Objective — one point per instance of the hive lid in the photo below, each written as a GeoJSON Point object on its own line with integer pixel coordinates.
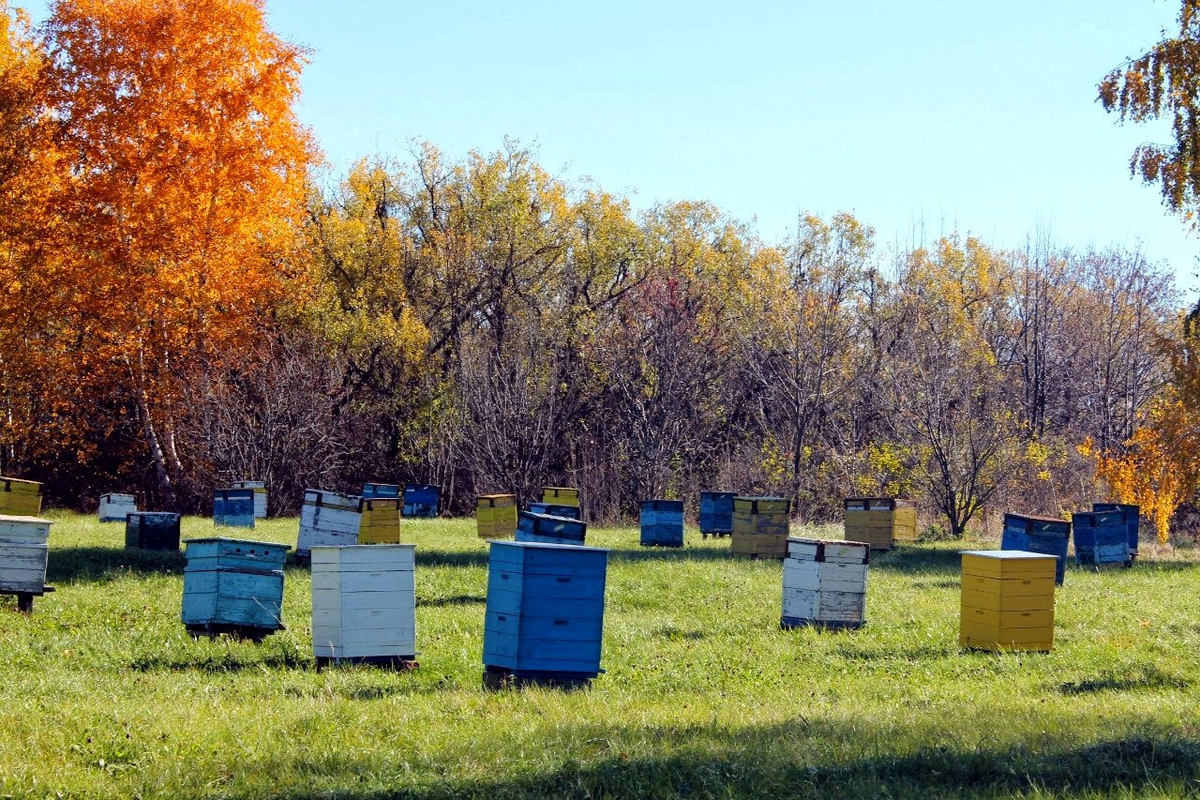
{"type": "Point", "coordinates": [549, 546]}
{"type": "Point", "coordinates": [18, 518]}
{"type": "Point", "coordinates": [1007, 555]}
{"type": "Point", "coordinates": [226, 539]}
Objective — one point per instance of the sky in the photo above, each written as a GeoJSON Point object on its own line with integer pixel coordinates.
{"type": "Point", "coordinates": [920, 118]}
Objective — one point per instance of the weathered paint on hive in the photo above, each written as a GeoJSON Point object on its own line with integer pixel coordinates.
{"type": "Point", "coordinates": [260, 496]}
{"type": "Point", "coordinates": [1007, 600]}
{"type": "Point", "coordinates": [554, 510]}
{"type": "Point", "coordinates": [1038, 535]}
{"type": "Point", "coordinates": [560, 495]}
{"type": "Point", "coordinates": [496, 516]}
{"type": "Point", "coordinates": [327, 519]}
{"type": "Point", "coordinates": [24, 553]}
{"type": "Point", "coordinates": [825, 581]}
{"type": "Point", "coordinates": [549, 530]}
{"type": "Point", "coordinates": [373, 490]}
{"type": "Point", "coordinates": [364, 602]}
{"type": "Point", "coordinates": [233, 582]}
{"type": "Point", "coordinates": [20, 497]}
{"type": "Point", "coordinates": [1133, 518]}
{"type": "Point", "coordinates": [379, 520]}
{"type": "Point", "coordinates": [233, 508]}
{"type": "Point", "coordinates": [421, 500]}
{"type": "Point", "coordinates": [1101, 537]}
{"type": "Point", "coordinates": [662, 523]}
{"type": "Point", "coordinates": [880, 521]}
{"type": "Point", "coordinates": [115, 507]}
{"type": "Point", "coordinates": [716, 512]}
{"type": "Point", "coordinates": [760, 526]}
{"type": "Point", "coordinates": [152, 530]}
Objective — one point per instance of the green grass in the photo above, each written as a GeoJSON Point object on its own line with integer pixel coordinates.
{"type": "Point", "coordinates": [103, 693]}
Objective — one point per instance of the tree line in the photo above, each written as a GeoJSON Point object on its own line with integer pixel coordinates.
{"type": "Point", "coordinates": [189, 299]}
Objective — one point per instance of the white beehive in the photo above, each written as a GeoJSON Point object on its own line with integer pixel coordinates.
{"type": "Point", "coordinates": [23, 554]}
{"type": "Point", "coordinates": [364, 603]}
{"type": "Point", "coordinates": [116, 507]}
{"type": "Point", "coordinates": [825, 583]}
{"type": "Point", "coordinates": [327, 519]}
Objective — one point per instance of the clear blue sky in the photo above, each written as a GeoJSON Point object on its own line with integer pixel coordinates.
{"type": "Point", "coordinates": [927, 116]}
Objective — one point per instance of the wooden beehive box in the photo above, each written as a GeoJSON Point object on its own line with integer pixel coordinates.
{"type": "Point", "coordinates": [560, 496]}
{"type": "Point", "coordinates": [496, 516]}
{"type": "Point", "coordinates": [233, 586]}
{"type": "Point", "coordinates": [327, 519]}
{"type": "Point", "coordinates": [373, 490]}
{"type": "Point", "coordinates": [1101, 537]}
{"type": "Point", "coordinates": [364, 604]}
{"type": "Point", "coordinates": [115, 507]}
{"type": "Point", "coordinates": [880, 521]}
{"type": "Point", "coordinates": [233, 508]}
{"type": "Point", "coordinates": [260, 496]}
{"type": "Point", "coordinates": [549, 530]}
{"type": "Point", "coordinates": [379, 520]}
{"type": "Point", "coordinates": [152, 530]}
{"type": "Point", "coordinates": [1007, 600]}
{"type": "Point", "coordinates": [760, 526]}
{"type": "Point", "coordinates": [421, 500]}
{"type": "Point", "coordinates": [553, 510]}
{"type": "Point", "coordinates": [716, 513]}
{"type": "Point", "coordinates": [825, 583]}
{"type": "Point", "coordinates": [545, 611]}
{"type": "Point", "coordinates": [20, 498]}
{"type": "Point", "coordinates": [662, 523]}
{"type": "Point", "coordinates": [1133, 518]}
{"type": "Point", "coordinates": [24, 552]}
{"type": "Point", "coordinates": [1038, 535]}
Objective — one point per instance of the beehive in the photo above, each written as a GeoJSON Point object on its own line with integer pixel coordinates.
{"type": "Point", "coordinates": [152, 530]}
{"type": "Point", "coordinates": [1101, 537]}
{"type": "Point", "coordinates": [549, 530]}
{"type": "Point", "coordinates": [20, 498]}
{"type": "Point", "coordinates": [379, 520]}
{"type": "Point", "coordinates": [545, 611]}
{"type": "Point", "coordinates": [327, 519]}
{"type": "Point", "coordinates": [1133, 517]}
{"type": "Point", "coordinates": [23, 554]}
{"type": "Point", "coordinates": [760, 526]}
{"type": "Point", "coordinates": [825, 583]}
{"type": "Point", "coordinates": [115, 507]}
{"type": "Point", "coordinates": [1007, 600]}
{"type": "Point", "coordinates": [716, 513]}
{"type": "Point", "coordinates": [420, 500]}
{"type": "Point", "coordinates": [260, 496]}
{"type": "Point", "coordinates": [496, 516]}
{"type": "Point", "coordinates": [233, 507]}
{"type": "Point", "coordinates": [1038, 535]}
{"type": "Point", "coordinates": [373, 490]}
{"type": "Point", "coordinates": [364, 604]}
{"type": "Point", "coordinates": [662, 523]}
{"type": "Point", "coordinates": [880, 521]}
{"type": "Point", "coordinates": [233, 585]}
{"type": "Point", "coordinates": [570, 512]}
{"type": "Point", "coordinates": [560, 496]}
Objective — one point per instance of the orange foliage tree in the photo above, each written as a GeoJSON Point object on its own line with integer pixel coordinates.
{"type": "Point", "coordinates": [187, 166]}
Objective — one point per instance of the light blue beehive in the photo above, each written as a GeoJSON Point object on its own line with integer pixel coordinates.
{"type": "Point", "coordinates": [233, 585]}
{"type": "Point", "coordinates": [233, 507]}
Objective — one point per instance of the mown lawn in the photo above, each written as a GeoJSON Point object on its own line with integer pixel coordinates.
{"type": "Point", "coordinates": [105, 695]}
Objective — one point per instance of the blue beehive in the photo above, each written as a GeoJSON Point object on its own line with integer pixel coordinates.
{"type": "Point", "coordinates": [662, 523]}
{"type": "Point", "coordinates": [1133, 517]}
{"type": "Point", "coordinates": [420, 500]}
{"type": "Point", "coordinates": [233, 585]}
{"type": "Point", "coordinates": [555, 510]}
{"type": "Point", "coordinates": [716, 513]}
{"type": "Point", "coordinates": [1038, 535]}
{"type": "Point", "coordinates": [233, 507]}
{"type": "Point", "coordinates": [387, 490]}
{"type": "Point", "coordinates": [1101, 537]}
{"type": "Point", "coordinates": [549, 530]}
{"type": "Point", "coordinates": [545, 610]}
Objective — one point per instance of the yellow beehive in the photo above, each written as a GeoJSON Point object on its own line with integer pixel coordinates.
{"type": "Point", "coordinates": [1007, 600]}
{"type": "Point", "coordinates": [379, 520]}
{"type": "Point", "coordinates": [496, 515]}
{"type": "Point", "coordinates": [880, 521]}
{"type": "Point", "coordinates": [560, 496]}
{"type": "Point", "coordinates": [20, 498]}
{"type": "Point", "coordinates": [760, 526]}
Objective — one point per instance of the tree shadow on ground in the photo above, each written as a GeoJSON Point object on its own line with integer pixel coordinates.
{"type": "Point", "coordinates": [109, 563]}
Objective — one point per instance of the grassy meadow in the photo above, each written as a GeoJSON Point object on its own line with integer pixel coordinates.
{"type": "Point", "coordinates": [104, 694]}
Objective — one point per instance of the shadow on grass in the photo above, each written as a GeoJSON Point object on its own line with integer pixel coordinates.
{"type": "Point", "coordinates": [222, 663]}
{"type": "Point", "coordinates": [455, 600]}
{"type": "Point", "coordinates": [109, 563]}
{"type": "Point", "coordinates": [1138, 678]}
{"type": "Point", "coordinates": [915, 559]}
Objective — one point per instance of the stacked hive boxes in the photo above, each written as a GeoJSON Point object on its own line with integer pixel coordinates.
{"type": "Point", "coordinates": [880, 521]}
{"type": "Point", "coordinates": [554, 510]}
{"type": "Point", "coordinates": [364, 604]}
{"type": "Point", "coordinates": [232, 585]}
{"type": "Point", "coordinates": [115, 507]}
{"type": "Point", "coordinates": [545, 612]}
{"type": "Point", "coordinates": [560, 496]}
{"type": "Point", "coordinates": [716, 513]}
{"type": "Point", "coordinates": [260, 496]}
{"type": "Point", "coordinates": [825, 583]}
{"type": "Point", "coordinates": [23, 554]}
{"type": "Point", "coordinates": [1007, 600]}
{"type": "Point", "coordinates": [233, 507]}
{"type": "Point", "coordinates": [326, 519]}
{"type": "Point", "coordinates": [1038, 535]}
{"type": "Point", "coordinates": [549, 530]}
{"type": "Point", "coordinates": [373, 490]}
{"type": "Point", "coordinates": [760, 526]}
{"type": "Point", "coordinates": [379, 520]}
{"type": "Point", "coordinates": [20, 498]}
{"type": "Point", "coordinates": [152, 530]}
{"type": "Point", "coordinates": [496, 516]}
{"type": "Point", "coordinates": [662, 523]}
{"type": "Point", "coordinates": [1101, 537]}
{"type": "Point", "coordinates": [420, 500]}
{"type": "Point", "coordinates": [1132, 515]}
